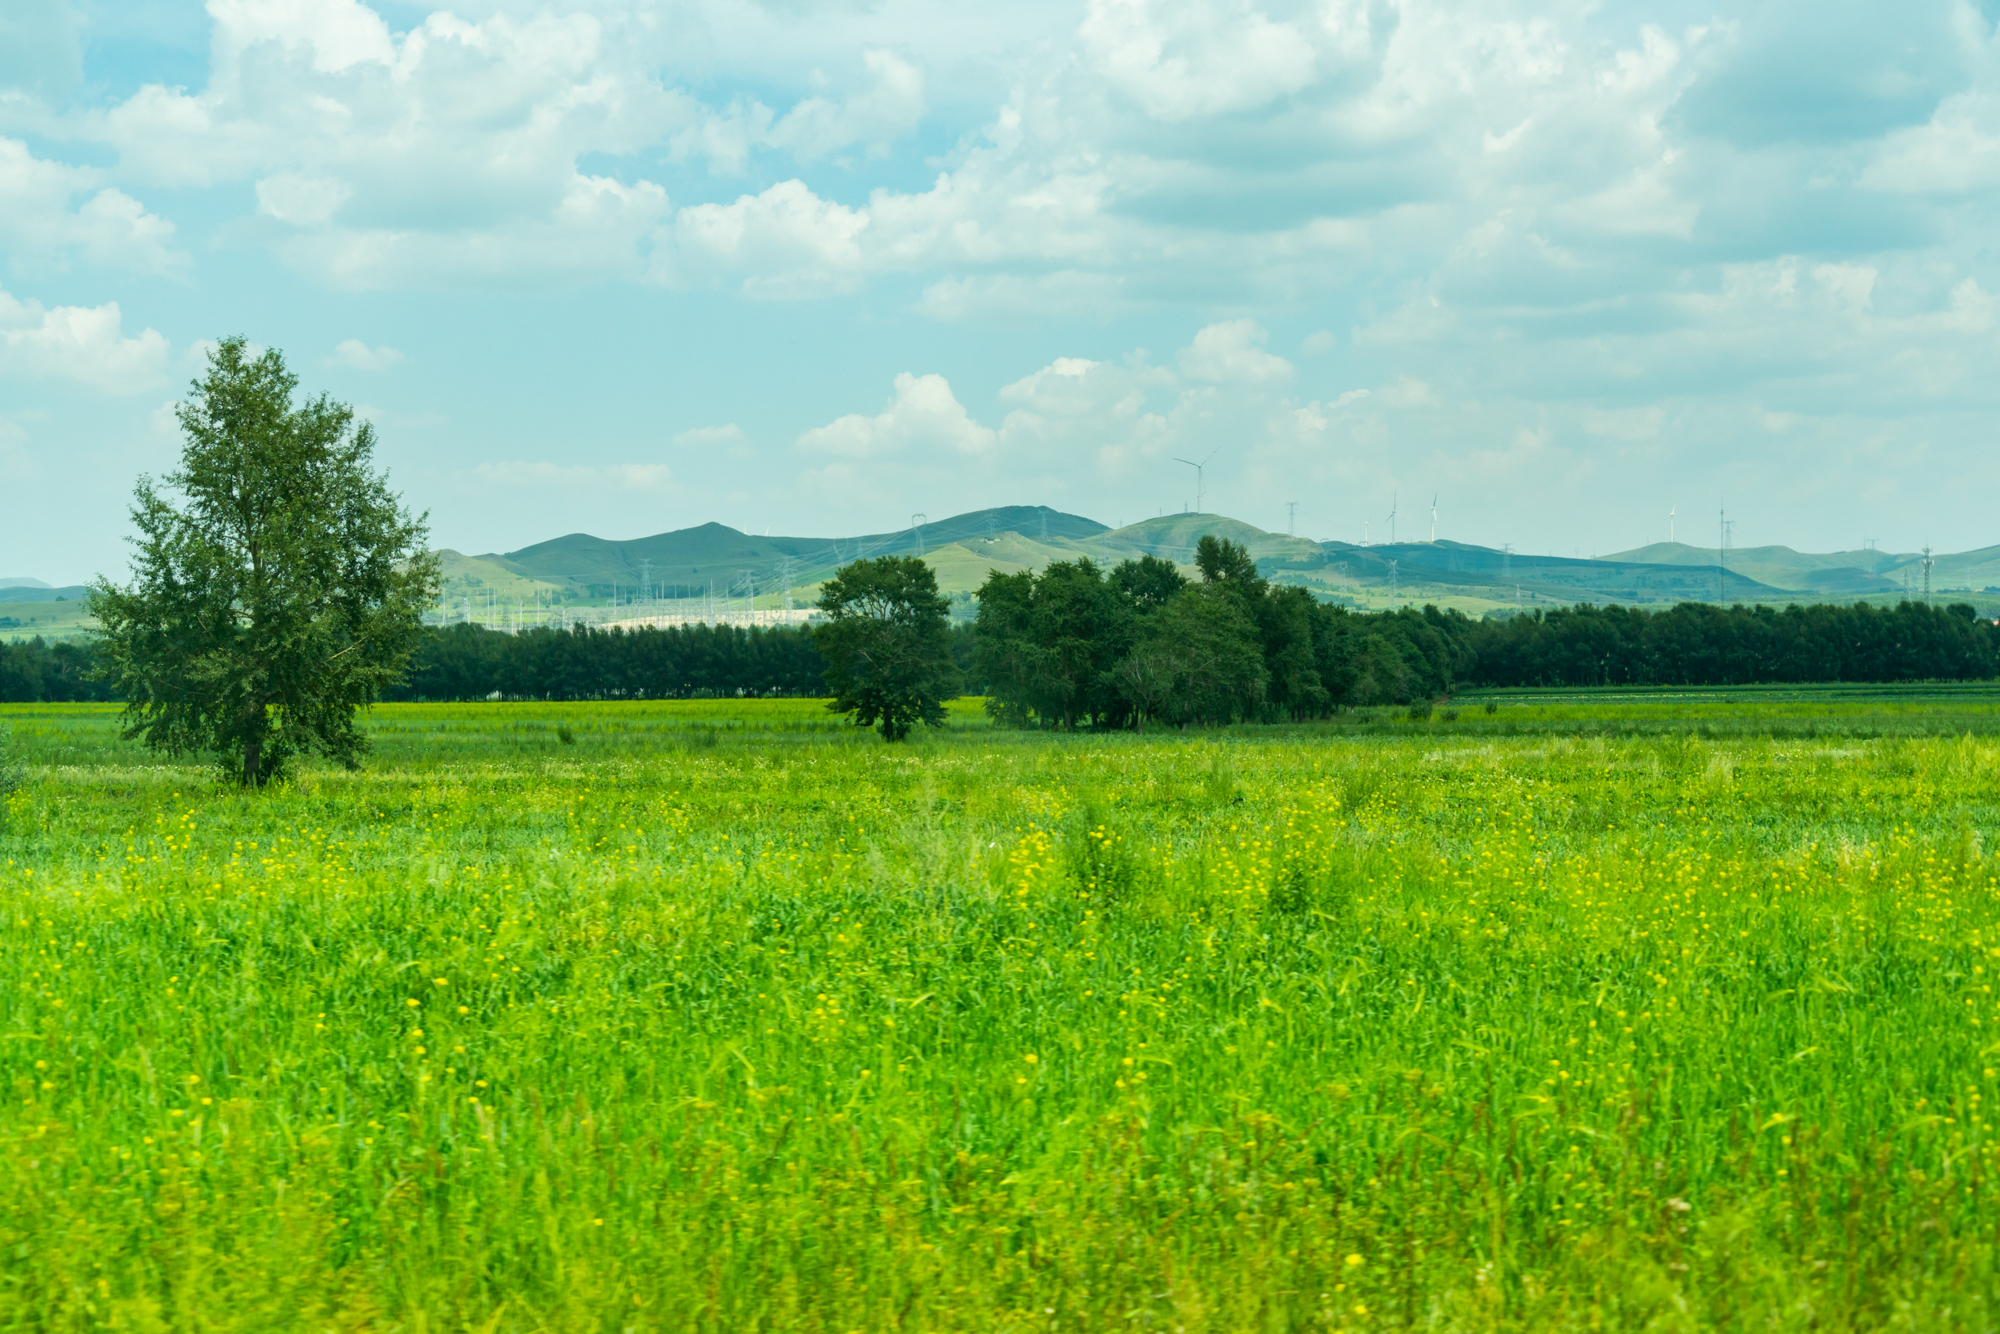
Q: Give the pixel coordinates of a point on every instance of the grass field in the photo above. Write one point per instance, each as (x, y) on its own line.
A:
(1597, 1011)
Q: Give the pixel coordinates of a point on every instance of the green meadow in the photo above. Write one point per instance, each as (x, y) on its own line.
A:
(1617, 1010)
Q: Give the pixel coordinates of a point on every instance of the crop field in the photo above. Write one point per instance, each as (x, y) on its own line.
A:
(1590, 1012)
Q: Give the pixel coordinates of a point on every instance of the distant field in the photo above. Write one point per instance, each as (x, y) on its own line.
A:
(1607, 1010)
(56, 620)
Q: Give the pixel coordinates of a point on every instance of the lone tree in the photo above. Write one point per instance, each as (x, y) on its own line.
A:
(280, 594)
(886, 644)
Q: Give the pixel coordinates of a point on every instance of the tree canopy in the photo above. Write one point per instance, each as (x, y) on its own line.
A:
(887, 644)
(278, 584)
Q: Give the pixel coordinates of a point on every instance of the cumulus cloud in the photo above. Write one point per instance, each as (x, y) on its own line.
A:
(1500, 218)
(922, 416)
(84, 344)
(871, 118)
(42, 223)
(357, 355)
(885, 111)
(784, 242)
(1232, 352)
(1179, 59)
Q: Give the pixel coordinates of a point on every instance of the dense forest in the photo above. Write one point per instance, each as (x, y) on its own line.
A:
(681, 662)
(34, 672)
(1076, 645)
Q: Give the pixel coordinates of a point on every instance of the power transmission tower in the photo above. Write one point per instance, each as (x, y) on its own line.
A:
(1928, 562)
(1721, 554)
(1291, 518)
(917, 522)
(1392, 583)
(646, 579)
(787, 573)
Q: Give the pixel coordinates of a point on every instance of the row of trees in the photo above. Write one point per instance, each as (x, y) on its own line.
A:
(1701, 644)
(682, 662)
(36, 672)
(1076, 645)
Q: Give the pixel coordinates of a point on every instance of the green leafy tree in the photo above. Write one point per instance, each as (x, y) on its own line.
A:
(1206, 645)
(279, 590)
(1148, 582)
(1006, 658)
(887, 644)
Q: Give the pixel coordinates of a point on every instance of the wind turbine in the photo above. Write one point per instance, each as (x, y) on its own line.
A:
(1392, 518)
(1670, 524)
(1434, 518)
(1197, 475)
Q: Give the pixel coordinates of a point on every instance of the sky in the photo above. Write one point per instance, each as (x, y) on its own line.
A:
(815, 266)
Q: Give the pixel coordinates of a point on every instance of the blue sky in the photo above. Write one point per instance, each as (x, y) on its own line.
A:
(816, 265)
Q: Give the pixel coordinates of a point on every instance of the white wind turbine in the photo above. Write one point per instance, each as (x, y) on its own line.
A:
(1392, 518)
(1670, 524)
(1197, 475)
(1434, 519)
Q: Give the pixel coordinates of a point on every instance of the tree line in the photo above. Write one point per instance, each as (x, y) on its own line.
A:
(1078, 646)
(467, 662)
(1698, 643)
(37, 672)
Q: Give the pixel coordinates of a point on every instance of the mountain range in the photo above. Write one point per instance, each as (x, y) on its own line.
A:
(714, 561)
(714, 566)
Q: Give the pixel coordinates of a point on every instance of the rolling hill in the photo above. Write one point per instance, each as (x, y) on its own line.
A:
(715, 569)
(714, 564)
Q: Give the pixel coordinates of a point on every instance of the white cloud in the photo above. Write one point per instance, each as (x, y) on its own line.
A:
(1852, 285)
(335, 34)
(785, 242)
(621, 476)
(303, 201)
(1069, 295)
(40, 228)
(1957, 152)
(1231, 352)
(1180, 59)
(923, 416)
(357, 355)
(888, 110)
(1405, 392)
(817, 127)
(81, 343)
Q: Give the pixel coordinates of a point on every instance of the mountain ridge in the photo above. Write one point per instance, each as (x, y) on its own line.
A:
(713, 565)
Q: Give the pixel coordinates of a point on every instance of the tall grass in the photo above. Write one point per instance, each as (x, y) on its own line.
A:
(726, 1020)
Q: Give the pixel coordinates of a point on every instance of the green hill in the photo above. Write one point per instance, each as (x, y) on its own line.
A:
(715, 569)
(690, 561)
(715, 566)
